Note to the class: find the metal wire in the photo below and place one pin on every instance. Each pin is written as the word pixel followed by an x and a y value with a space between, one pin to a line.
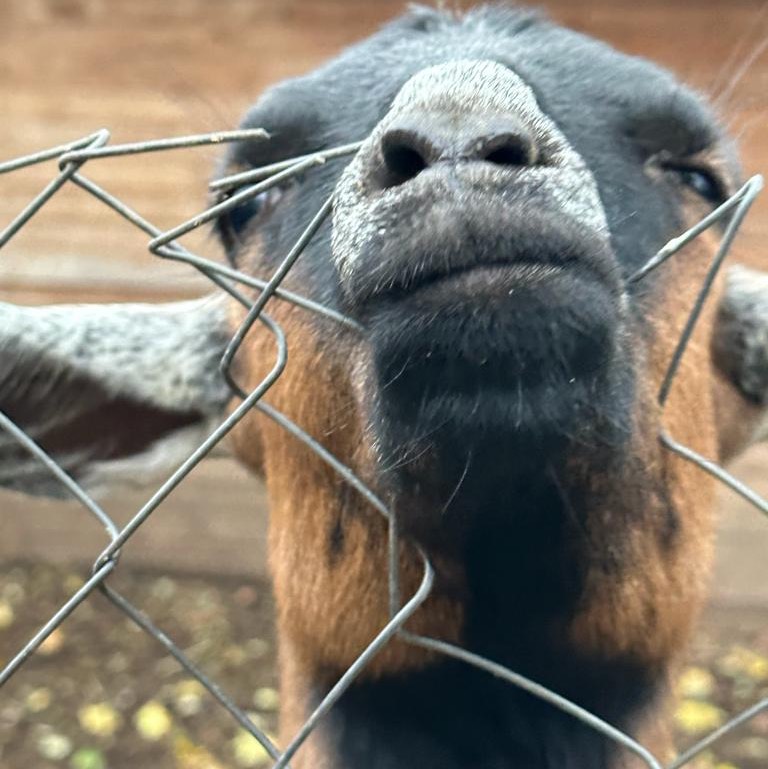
pixel 71 157
pixel 255 174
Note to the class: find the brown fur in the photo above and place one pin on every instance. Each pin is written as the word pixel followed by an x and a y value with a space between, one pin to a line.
pixel 650 610
pixel 328 547
pixel 332 598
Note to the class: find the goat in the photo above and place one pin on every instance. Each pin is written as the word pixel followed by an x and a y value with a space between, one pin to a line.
pixel 500 394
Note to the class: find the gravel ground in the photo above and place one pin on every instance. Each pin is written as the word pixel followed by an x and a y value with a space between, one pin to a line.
pixel 103 695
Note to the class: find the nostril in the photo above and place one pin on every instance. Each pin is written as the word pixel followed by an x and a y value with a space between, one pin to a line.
pixel 403 163
pixel 509 150
pixel 410 146
pixel 509 156
pixel 404 156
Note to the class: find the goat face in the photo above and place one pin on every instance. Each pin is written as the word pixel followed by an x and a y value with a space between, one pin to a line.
pixel 512 176
pixel 501 395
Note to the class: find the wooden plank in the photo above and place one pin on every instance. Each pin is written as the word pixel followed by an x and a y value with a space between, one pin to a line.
pixel 146 70
pixel 213 523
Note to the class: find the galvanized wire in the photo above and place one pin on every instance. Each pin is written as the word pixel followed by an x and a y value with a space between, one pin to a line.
pixel 238 188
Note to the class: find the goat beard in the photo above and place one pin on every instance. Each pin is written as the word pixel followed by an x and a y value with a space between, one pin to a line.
pixel 457 434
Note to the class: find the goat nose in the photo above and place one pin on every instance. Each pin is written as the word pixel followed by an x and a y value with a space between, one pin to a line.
pixel 411 144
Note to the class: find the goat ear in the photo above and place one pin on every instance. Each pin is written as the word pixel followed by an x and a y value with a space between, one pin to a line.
pixel 740 349
pixel 112 392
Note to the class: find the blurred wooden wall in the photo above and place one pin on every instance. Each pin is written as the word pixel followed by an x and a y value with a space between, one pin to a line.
pixel 147 69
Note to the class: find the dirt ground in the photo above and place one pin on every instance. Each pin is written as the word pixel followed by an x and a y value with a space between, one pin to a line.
pixel 103 695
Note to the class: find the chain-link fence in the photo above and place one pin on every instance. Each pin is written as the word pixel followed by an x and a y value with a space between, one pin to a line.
pixel 235 190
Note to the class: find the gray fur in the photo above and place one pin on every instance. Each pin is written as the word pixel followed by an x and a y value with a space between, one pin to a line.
pixel 164 354
pixel 741 340
pixel 74 365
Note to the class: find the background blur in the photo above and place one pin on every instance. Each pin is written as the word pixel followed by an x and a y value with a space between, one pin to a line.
pixel 101 695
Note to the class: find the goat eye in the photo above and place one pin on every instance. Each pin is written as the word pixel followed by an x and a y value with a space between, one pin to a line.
pixel 251 210
pixel 702 181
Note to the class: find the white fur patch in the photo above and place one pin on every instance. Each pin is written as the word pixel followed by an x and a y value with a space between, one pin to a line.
pixel 62 363
pixel 166 355
pixel 456 88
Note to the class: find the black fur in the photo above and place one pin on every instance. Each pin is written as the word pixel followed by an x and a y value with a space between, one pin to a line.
pixel 475 401
pixel 635 111
pixel 455 717
pixel 620 113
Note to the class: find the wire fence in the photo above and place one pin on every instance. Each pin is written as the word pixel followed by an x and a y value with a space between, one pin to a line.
pixel 237 188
